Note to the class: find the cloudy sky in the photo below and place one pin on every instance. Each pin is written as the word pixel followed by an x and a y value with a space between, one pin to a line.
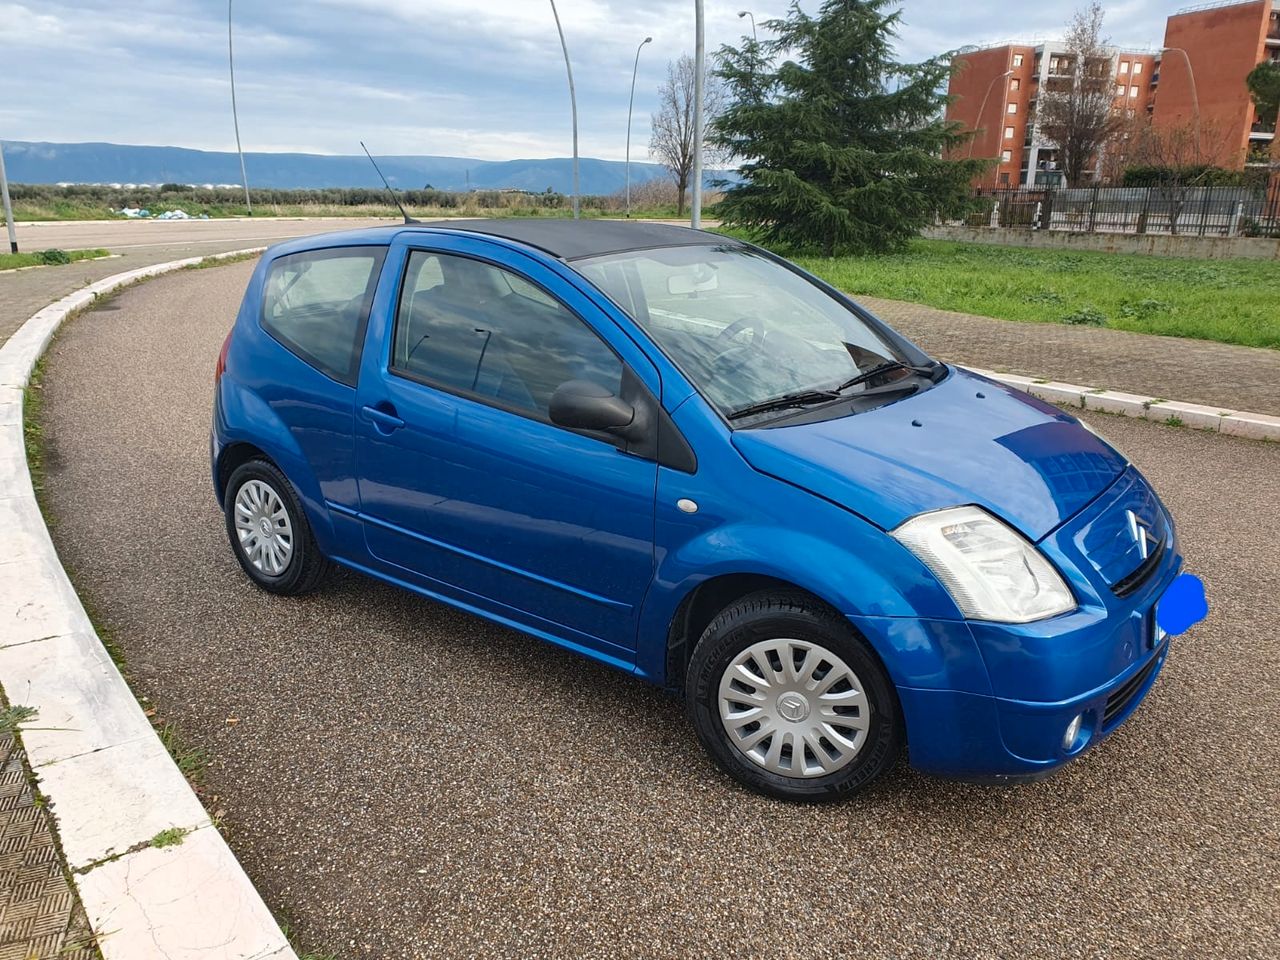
pixel 476 78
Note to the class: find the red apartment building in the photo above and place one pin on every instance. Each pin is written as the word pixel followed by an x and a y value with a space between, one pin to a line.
pixel 1198 73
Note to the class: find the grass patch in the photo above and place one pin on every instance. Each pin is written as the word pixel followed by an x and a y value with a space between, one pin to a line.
pixel 32 431
pixel 41 258
pixel 190 759
pixel 303 954
pixel 168 838
pixel 13 717
pixel 208 262
pixel 1230 301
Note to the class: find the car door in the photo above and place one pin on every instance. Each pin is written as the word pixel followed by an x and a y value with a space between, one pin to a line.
pixel 464 480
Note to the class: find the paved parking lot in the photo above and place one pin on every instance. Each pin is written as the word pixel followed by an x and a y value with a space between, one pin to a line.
pixel 403 780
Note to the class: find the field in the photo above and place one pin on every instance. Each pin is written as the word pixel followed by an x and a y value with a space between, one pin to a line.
pixel 1231 301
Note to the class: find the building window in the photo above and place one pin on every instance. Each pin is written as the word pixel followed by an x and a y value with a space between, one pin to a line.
pixel 1015 84
pixel 1017 59
pixel 1119 89
pixel 1133 93
pixel 1011 109
pixel 1008 133
pixel 1124 66
pixel 1137 69
pixel 1006 155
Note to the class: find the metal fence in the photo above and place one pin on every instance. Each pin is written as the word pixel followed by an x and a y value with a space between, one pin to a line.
pixel 1168 210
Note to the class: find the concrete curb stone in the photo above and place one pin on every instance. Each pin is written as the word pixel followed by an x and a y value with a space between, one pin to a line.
pixel 1254 426
pixel 111 785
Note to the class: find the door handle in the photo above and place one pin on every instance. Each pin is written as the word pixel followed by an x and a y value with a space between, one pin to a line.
pixel 383 417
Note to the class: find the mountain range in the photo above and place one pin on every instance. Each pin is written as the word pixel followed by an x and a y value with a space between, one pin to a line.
pixel 32 162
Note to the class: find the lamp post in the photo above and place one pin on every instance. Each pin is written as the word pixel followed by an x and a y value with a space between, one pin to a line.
pixel 630 105
pixel 748 13
pixel 983 106
pixel 699 81
pixel 235 117
pixel 8 207
pixel 573 106
pixel 1195 97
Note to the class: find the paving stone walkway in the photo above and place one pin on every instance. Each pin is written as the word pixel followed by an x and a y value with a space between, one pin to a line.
pixel 40 917
pixel 1195 371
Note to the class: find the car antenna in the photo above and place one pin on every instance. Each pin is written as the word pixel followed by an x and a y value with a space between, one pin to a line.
pixel 394 199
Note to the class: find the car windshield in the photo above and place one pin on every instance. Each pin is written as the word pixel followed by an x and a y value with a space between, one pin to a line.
pixel 746 330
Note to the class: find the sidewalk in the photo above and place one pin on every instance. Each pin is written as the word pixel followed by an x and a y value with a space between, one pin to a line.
pixel 1194 371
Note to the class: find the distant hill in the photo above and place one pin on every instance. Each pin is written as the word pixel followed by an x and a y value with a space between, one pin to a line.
pixel 28 162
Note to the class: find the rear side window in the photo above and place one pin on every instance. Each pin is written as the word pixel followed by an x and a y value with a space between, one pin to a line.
pixel 317 305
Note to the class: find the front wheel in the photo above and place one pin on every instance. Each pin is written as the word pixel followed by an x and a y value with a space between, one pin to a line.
pixel 790 701
pixel 269 532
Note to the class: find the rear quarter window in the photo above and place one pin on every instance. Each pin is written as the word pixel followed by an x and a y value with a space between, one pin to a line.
pixel 316 304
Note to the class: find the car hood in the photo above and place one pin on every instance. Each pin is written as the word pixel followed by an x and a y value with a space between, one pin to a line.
pixel 966 440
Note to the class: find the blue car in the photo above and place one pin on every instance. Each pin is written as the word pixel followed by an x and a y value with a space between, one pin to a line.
pixel 685 457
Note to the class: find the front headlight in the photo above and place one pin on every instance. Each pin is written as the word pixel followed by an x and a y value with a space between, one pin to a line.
pixel 991 571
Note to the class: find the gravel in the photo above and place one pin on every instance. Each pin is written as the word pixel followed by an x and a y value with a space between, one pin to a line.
pixel 404 780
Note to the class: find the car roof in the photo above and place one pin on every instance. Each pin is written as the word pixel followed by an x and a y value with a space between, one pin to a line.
pixel 572 239
pixel 560 237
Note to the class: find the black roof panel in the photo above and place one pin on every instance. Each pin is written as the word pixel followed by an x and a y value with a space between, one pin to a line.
pixel 570 239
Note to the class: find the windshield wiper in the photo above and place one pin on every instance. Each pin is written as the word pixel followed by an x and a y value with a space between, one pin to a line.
pixel 885 367
pixel 802 398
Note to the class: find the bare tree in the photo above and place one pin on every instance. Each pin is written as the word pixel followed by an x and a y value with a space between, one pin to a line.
pixel 1173 160
pixel 671 142
pixel 1077 107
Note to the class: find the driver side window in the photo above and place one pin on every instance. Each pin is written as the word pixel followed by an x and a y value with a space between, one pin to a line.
pixel 475 329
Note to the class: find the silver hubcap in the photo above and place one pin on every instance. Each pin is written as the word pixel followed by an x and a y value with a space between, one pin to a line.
pixel 262 524
pixel 794 708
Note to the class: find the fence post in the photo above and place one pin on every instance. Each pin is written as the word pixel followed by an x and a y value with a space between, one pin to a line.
pixel 1093 207
pixel 1035 219
pixel 1046 216
pixel 1234 229
pixel 995 214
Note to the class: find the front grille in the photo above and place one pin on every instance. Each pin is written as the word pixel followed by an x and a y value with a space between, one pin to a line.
pixel 1130 582
pixel 1123 695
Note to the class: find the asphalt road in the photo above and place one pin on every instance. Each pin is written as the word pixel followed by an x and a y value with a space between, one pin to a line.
pixel 403 780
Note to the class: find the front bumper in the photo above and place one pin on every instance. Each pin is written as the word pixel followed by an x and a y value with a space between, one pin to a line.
pixel 969 736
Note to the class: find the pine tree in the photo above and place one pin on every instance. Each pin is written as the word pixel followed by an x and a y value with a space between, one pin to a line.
pixel 842 146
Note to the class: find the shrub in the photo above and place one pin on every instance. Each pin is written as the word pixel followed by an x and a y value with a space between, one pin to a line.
pixel 1086 316
pixel 53 257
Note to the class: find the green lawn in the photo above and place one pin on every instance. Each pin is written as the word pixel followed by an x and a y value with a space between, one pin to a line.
pixel 1232 301
pixel 11 261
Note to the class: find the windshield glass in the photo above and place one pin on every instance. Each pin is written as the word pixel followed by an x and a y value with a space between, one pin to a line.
pixel 743 328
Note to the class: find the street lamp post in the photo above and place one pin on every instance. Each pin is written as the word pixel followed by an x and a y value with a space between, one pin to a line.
pixel 748 13
pixel 699 81
pixel 630 105
pixel 1195 97
pixel 8 207
pixel 573 106
pixel 983 106
pixel 235 117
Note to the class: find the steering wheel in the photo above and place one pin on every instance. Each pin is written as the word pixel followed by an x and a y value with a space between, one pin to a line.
pixel 752 323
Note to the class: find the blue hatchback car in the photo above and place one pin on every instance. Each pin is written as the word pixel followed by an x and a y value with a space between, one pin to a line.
pixel 685 457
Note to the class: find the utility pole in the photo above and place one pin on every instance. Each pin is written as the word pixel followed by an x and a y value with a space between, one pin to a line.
pixel 573 106
pixel 8 207
pixel 699 83
pixel 235 117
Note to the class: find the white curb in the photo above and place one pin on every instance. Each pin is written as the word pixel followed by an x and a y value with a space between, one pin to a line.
pixel 1254 426
pixel 111 785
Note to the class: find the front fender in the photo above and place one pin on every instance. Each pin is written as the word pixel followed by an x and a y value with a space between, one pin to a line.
pixel 888 596
pixel 244 417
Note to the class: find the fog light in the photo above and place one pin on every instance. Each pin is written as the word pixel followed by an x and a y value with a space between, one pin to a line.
pixel 1073 731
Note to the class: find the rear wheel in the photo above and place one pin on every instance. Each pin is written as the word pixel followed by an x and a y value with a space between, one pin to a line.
pixel 269 532
pixel 790 701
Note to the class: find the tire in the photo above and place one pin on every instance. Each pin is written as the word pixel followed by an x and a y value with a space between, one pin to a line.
pixel 856 723
pixel 290 562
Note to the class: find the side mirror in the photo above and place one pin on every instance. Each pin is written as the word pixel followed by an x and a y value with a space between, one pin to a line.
pixel 583 405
